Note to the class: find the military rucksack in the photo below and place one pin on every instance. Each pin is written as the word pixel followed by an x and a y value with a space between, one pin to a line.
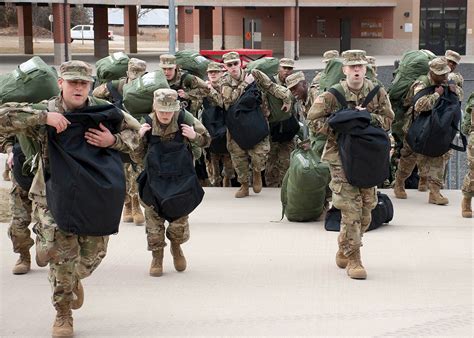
pixel 192 62
pixel 303 190
pixel 268 65
pixel 112 67
pixel 331 75
pixel 33 81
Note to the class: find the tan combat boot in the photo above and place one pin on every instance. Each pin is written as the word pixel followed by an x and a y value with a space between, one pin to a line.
pixel 243 191
pixel 23 263
pixel 354 268
pixel 127 210
pixel 341 259
pixel 41 256
pixel 399 189
pixel 62 326
pixel 78 293
pixel 179 260
pixel 466 207
pixel 436 197
pixel 226 182
pixel 257 181
pixel 137 212
pixel 423 183
pixel 156 267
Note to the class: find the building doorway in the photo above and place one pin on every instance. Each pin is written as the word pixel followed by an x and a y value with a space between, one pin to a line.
pixel 345 35
pixel 252 33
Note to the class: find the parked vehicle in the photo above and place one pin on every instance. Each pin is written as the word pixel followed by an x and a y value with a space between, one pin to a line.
pixel 86 32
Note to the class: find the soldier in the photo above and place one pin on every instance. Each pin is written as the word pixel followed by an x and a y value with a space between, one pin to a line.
pixel 453 58
pixel 233 85
pixel 355 203
pixel 132 211
pixel 278 160
pixel 468 183
pixel 327 56
pixel 430 167
pixel 214 73
pixel 71 257
pixel 164 119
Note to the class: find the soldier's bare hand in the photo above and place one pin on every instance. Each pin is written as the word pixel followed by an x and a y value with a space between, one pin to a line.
pixel 143 129
pixel 249 78
pixel 102 137
pixel 188 131
pixel 181 93
pixel 452 88
pixel 439 90
pixel 10 160
pixel 58 121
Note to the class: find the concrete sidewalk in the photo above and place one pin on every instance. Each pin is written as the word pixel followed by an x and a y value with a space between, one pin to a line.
pixel 249 274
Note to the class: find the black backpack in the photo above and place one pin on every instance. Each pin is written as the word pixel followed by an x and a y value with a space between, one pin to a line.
pixel 117 98
pixel 432 132
pixel 364 149
pixel 169 182
pixel 245 119
pixel 85 184
pixel 381 214
pixel 284 131
pixel 213 118
pixel 24 181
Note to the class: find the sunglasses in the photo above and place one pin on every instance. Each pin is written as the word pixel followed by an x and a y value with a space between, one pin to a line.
pixel 230 64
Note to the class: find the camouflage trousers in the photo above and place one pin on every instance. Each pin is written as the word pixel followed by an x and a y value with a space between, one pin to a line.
pixel 468 183
pixel 431 167
pixel 177 231
pixel 356 206
pixel 20 207
pixel 71 257
pixel 131 186
pixel 214 168
pixel 240 157
pixel 278 162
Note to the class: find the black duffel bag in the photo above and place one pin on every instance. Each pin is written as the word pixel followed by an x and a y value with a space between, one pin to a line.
pixel 284 131
pixel 85 184
pixel 24 181
pixel 213 118
pixel 245 120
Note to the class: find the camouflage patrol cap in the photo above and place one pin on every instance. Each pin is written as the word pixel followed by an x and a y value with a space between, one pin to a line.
pixel 136 68
pixel 166 100
pixel 214 67
pixel 286 62
pixel 370 60
pixel 354 57
pixel 167 61
pixel 453 56
pixel 76 70
pixel 330 54
pixel 230 57
pixel 439 66
pixel 293 79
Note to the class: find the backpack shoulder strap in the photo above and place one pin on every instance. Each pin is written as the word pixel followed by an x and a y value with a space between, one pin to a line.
pixel 425 91
pixel 340 98
pixel 114 92
pixel 181 119
pixel 148 120
pixel 371 96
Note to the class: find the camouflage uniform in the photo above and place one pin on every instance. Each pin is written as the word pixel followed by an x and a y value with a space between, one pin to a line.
pixel 232 89
pixel 71 257
pixel 468 129
pixel 355 203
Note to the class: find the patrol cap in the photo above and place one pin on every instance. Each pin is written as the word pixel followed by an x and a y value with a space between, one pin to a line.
pixel 370 60
pixel 214 67
pixel 439 66
pixel 230 57
pixel 293 79
pixel 354 57
pixel 453 56
pixel 166 100
pixel 286 62
pixel 76 70
pixel 136 67
pixel 167 61
pixel 330 54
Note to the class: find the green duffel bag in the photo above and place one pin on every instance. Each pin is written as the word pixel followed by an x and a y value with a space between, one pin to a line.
pixel 331 75
pixel 303 191
pixel 112 67
pixel 413 64
pixel 192 62
pixel 268 65
pixel 33 81
pixel 138 94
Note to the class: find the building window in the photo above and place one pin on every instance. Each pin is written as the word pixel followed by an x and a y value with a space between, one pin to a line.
pixel 371 28
pixel 321 27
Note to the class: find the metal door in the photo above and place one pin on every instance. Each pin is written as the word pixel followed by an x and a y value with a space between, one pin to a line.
pixel 252 33
pixel 345 34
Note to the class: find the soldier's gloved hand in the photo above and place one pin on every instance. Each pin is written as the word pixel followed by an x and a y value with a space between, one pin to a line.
pixel 102 138
pixel 249 78
pixel 143 129
pixel 188 131
pixel 10 160
pixel 439 90
pixel 58 121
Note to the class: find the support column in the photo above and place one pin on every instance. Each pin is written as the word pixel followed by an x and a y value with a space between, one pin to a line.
pixel 101 28
pixel 25 28
pixel 185 27
pixel 217 32
pixel 205 28
pixel 130 22
pixel 61 33
pixel 291 32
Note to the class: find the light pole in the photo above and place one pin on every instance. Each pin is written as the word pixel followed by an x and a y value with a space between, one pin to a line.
pixel 172 26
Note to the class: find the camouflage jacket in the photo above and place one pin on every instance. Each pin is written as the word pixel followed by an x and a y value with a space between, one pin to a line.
pixel 274 88
pixel 214 95
pixel 232 89
pixel 168 132
pixel 31 121
pixel 102 92
pixel 459 81
pixel 467 126
pixel 6 143
pixel 325 104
